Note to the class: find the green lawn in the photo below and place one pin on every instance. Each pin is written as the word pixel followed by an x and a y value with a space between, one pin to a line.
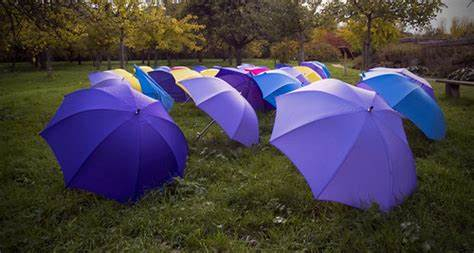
pixel 232 198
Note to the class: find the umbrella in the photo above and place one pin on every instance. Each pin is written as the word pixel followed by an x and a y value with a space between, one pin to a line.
pixel 282 65
pixel 152 89
pixel 425 85
pixel 212 72
pixel 146 68
pixel 116 142
pixel 296 74
pixel 256 70
pixel 319 67
pixel 168 80
pixel 199 68
pixel 410 100
pixel 123 74
pixel 224 104
pixel 274 83
pixel 308 73
pixel 179 67
pixel 165 68
pixel 244 84
pixel 245 65
pixel 348 144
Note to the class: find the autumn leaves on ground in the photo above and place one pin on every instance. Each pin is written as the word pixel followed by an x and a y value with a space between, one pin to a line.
pixel 231 198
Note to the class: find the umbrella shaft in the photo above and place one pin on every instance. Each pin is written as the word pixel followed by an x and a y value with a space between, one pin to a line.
pixel 200 134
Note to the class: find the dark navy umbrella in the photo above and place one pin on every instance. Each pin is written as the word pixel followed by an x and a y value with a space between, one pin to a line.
pixel 116 142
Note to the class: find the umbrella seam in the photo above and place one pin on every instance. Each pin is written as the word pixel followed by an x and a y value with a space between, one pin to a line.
pixel 241 117
pixel 95 148
pixel 344 160
pixel 390 129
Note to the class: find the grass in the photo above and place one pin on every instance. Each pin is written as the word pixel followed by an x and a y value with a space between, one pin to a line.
pixel 232 198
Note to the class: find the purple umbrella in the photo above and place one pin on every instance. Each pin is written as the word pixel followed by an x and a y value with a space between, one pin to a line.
pixel 167 81
pixel 347 142
pixel 319 67
pixel 116 142
pixel 247 87
pixel 224 104
pixel 100 76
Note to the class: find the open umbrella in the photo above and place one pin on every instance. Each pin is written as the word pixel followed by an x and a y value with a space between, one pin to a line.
pixel 410 100
pixel 152 89
pixel 244 84
pixel 282 65
pixel 224 105
pixel 146 68
pixel 168 80
pixel 274 83
pixel 199 68
pixel 99 76
pixel 256 70
pixel 115 142
pixel 212 72
pixel 425 85
pixel 296 74
pixel 245 65
pixel 319 67
pixel 308 73
pixel 347 142
pixel 179 67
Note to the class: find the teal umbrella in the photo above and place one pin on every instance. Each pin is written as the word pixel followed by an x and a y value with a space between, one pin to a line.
pixel 152 89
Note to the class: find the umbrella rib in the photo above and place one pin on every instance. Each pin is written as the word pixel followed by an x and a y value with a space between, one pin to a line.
pixel 343 161
pixel 389 128
pixel 166 141
pixel 95 148
pixel 241 117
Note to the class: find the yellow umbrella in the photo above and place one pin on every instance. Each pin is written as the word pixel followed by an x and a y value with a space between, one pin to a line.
pixel 129 77
pixel 210 72
pixel 183 74
pixel 146 68
pixel 309 74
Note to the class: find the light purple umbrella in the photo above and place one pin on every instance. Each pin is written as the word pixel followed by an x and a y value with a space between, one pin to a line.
pixel 116 142
pixel 226 106
pixel 425 85
pixel 347 142
pixel 296 74
pixel 247 87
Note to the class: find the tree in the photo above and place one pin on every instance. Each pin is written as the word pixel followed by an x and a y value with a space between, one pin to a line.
pixel 415 13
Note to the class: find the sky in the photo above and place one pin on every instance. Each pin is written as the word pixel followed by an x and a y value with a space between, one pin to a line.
pixel 455 8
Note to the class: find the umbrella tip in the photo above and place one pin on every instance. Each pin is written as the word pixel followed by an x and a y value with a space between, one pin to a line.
pixel 137 112
pixel 370 108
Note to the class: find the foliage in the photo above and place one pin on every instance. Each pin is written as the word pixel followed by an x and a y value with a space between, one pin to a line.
pixel 321 51
pixel 256 48
pixel 284 51
pixel 232 199
pixel 462 28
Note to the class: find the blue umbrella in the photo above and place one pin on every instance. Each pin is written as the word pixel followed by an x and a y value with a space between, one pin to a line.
pixel 274 83
pixel 282 65
pixel 411 101
pixel 152 89
pixel 199 68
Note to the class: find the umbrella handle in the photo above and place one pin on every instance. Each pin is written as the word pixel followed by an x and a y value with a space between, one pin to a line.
pixel 200 134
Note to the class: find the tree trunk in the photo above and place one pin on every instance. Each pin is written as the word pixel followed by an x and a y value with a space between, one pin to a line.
pixel 230 56
pixel 200 57
pixel 148 57
pixel 109 61
pixel 143 57
pixel 15 54
pixel 155 60
pixel 301 47
pixel 168 58
pixel 79 59
pixel 49 67
pixel 367 44
pixel 238 55
pixel 122 48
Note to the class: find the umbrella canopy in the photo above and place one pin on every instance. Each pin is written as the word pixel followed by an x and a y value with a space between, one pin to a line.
pixel 225 105
pixel 274 83
pixel 165 68
pixel 282 65
pixel 115 142
pixel 199 68
pixel 146 68
pixel 296 74
pixel 129 77
pixel 411 101
pixel 169 79
pixel 179 67
pixel 319 67
pixel 244 84
pixel 212 72
pixel 347 142
pixel 256 70
pixel 245 65
pixel 152 89
pixel 308 73
pixel 423 83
